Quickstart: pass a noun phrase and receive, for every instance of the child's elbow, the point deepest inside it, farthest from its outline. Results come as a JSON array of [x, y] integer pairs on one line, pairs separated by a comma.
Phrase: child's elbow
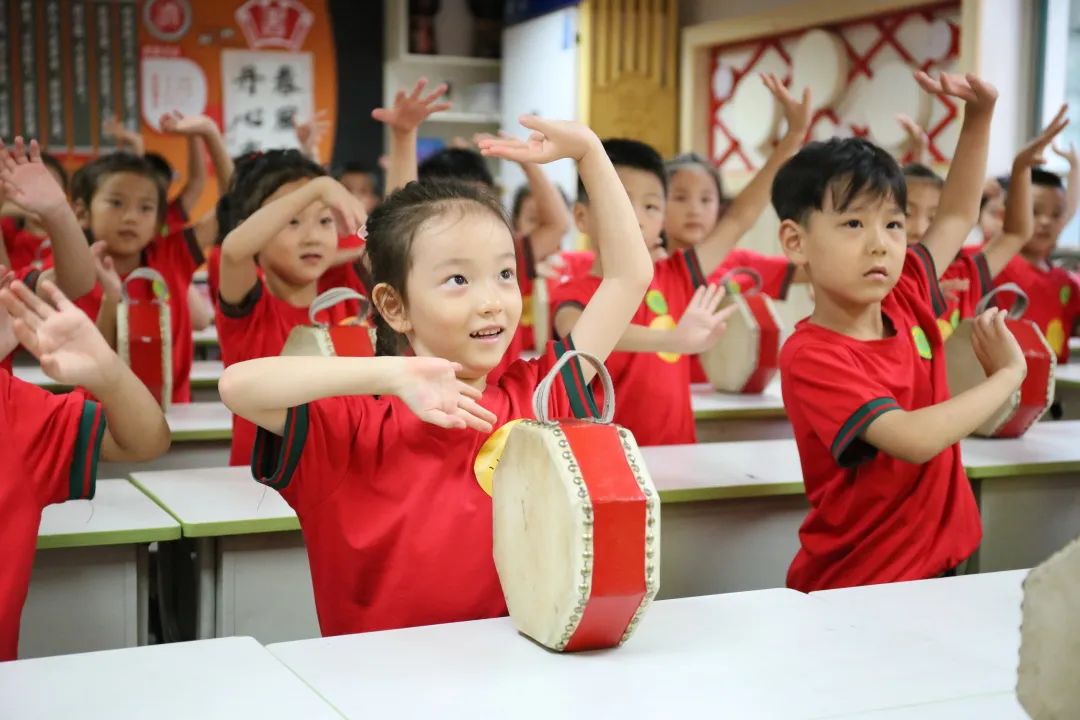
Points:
[[232, 387]]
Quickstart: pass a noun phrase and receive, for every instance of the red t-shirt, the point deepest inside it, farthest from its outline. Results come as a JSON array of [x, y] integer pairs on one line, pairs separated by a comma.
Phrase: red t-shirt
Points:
[[176, 257], [1054, 296], [176, 218], [24, 248], [776, 274], [52, 450], [258, 327], [652, 390], [961, 304], [873, 518], [397, 528]]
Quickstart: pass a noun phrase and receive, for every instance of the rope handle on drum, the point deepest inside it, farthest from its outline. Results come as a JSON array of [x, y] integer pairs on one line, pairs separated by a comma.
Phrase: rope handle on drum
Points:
[[145, 273], [542, 394], [1019, 307], [332, 297], [749, 272]]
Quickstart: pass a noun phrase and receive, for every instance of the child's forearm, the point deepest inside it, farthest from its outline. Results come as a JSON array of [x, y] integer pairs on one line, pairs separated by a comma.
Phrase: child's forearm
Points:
[[920, 435], [1072, 192], [72, 260], [746, 208], [618, 236], [136, 430], [639, 338], [4, 259], [106, 320], [219, 156], [1019, 221], [196, 175], [553, 215], [401, 168]]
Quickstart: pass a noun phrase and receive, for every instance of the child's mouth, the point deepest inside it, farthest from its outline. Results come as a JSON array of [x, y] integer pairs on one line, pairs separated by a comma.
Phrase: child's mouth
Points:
[[490, 334], [311, 258]]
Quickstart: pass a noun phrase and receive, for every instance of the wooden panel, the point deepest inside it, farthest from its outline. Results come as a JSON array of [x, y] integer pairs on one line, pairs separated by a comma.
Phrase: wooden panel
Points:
[[629, 86]]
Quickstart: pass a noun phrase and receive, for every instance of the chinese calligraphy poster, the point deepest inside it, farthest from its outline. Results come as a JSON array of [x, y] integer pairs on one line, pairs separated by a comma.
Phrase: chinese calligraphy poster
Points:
[[264, 92]]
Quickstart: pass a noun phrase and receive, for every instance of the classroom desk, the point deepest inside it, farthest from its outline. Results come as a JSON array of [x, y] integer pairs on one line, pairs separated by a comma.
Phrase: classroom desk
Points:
[[204, 378], [210, 680], [731, 512], [90, 586], [727, 417], [201, 434], [206, 338], [1067, 390], [766, 654], [247, 541]]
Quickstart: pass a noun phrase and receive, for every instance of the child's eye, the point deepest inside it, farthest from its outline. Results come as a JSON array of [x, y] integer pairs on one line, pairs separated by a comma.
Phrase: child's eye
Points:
[[326, 221], [853, 224], [149, 208], [456, 281], [113, 203], [506, 274], [652, 207], [294, 223], [895, 225]]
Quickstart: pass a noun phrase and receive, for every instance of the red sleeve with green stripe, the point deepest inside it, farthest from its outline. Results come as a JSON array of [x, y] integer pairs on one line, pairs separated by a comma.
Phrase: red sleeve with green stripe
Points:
[[832, 392], [57, 438], [920, 279]]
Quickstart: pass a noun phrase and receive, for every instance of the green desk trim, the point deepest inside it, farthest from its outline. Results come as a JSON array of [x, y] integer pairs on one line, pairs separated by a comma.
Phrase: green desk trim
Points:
[[182, 436], [1067, 384], [730, 493], [111, 537], [206, 342], [741, 414], [225, 527], [999, 471], [204, 384]]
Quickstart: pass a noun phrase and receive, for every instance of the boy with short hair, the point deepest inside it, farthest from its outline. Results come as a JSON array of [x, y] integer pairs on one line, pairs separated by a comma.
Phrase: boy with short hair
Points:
[[864, 378], [679, 316]]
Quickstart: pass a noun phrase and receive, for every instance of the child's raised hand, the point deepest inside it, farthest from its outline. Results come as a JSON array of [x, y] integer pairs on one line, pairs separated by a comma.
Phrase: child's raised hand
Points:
[[973, 90], [309, 132], [1034, 153], [550, 140], [59, 335], [952, 287], [176, 123], [27, 181], [702, 324], [349, 212], [408, 111], [114, 129], [918, 140], [431, 389], [1068, 154], [8, 341], [995, 346], [797, 113], [106, 271]]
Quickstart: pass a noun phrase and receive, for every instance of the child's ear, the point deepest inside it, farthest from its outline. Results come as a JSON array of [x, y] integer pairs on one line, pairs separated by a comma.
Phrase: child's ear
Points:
[[581, 217], [392, 308], [793, 242], [82, 214]]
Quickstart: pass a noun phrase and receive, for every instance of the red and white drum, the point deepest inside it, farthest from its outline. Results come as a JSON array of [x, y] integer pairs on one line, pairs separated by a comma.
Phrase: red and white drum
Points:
[[1035, 395], [576, 526], [747, 357], [353, 338], [144, 333]]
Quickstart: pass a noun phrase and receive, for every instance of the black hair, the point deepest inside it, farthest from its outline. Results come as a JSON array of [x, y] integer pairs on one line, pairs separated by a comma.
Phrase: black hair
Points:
[[1002, 182], [846, 168], [257, 176], [686, 161], [87, 181], [1046, 178], [918, 171], [53, 164], [161, 167], [632, 154], [392, 227], [523, 193], [456, 163], [353, 167]]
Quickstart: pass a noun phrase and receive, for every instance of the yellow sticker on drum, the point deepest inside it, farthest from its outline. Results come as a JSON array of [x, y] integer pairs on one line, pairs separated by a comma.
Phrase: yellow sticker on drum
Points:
[[665, 322], [922, 343], [487, 459], [1055, 335]]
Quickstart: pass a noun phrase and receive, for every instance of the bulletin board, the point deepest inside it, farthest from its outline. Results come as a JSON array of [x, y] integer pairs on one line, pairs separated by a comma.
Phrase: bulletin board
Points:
[[860, 73], [65, 67]]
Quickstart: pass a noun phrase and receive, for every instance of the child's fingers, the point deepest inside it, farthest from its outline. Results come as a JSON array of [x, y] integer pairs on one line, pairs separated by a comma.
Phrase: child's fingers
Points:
[[418, 88], [436, 93], [698, 298], [926, 82], [35, 151], [26, 336], [33, 309], [477, 410], [442, 419], [722, 316], [468, 390], [467, 411], [441, 107], [56, 296]]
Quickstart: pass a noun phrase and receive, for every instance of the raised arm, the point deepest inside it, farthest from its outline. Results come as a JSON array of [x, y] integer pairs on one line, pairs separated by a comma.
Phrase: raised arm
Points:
[[1072, 186], [29, 184], [1019, 218], [958, 210], [747, 207], [918, 140], [309, 133], [126, 140], [627, 267], [238, 270], [195, 128], [404, 118]]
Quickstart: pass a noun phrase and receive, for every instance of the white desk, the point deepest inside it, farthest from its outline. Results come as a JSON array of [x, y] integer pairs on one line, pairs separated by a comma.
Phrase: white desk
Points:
[[767, 654], [206, 338], [999, 706], [726, 417], [204, 376], [216, 679], [201, 434], [90, 585], [247, 542], [730, 514]]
